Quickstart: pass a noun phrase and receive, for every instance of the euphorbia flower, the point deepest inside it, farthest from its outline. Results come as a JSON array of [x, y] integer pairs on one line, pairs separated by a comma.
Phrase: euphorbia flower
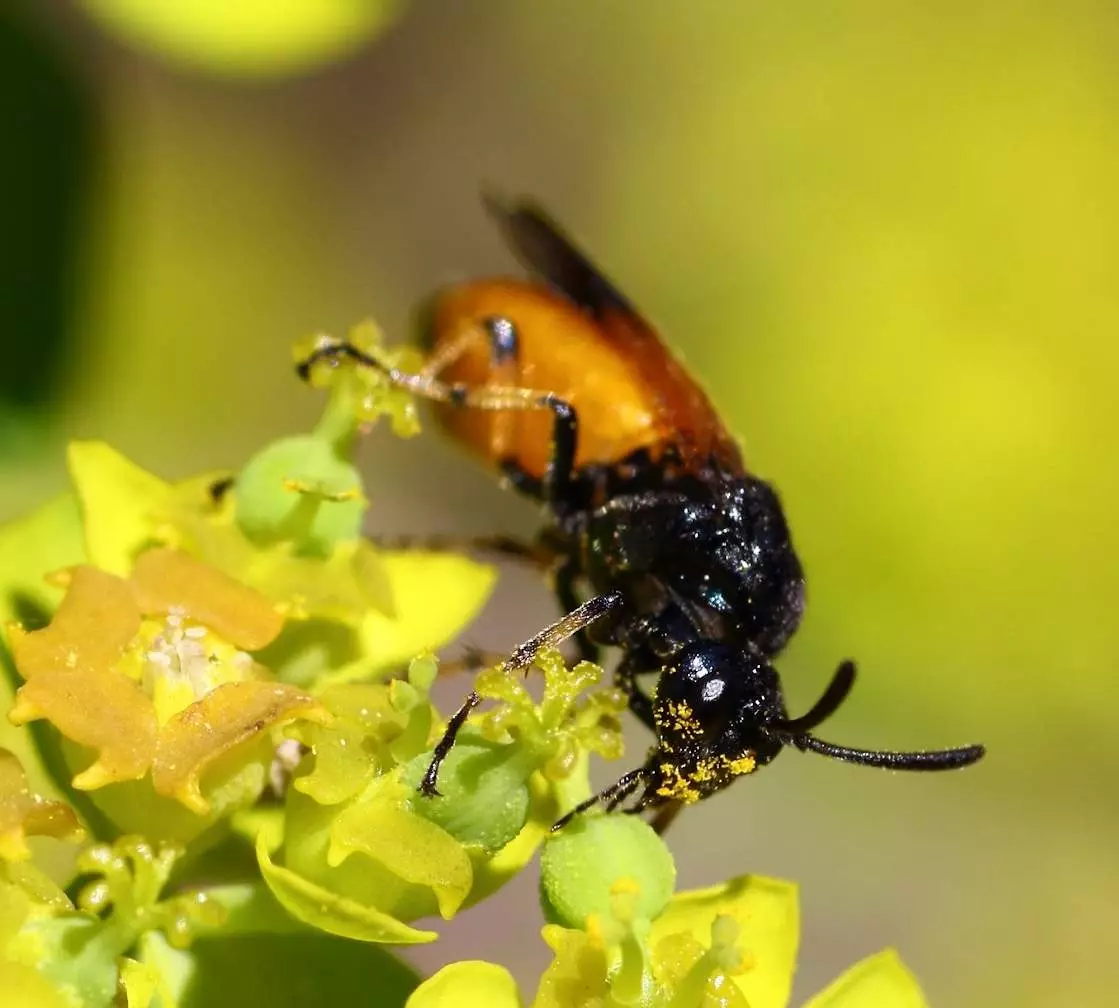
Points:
[[732, 945], [24, 814], [363, 855], [352, 612], [154, 673]]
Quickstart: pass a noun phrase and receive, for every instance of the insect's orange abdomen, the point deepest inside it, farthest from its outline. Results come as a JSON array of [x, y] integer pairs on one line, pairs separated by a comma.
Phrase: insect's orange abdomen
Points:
[[562, 349]]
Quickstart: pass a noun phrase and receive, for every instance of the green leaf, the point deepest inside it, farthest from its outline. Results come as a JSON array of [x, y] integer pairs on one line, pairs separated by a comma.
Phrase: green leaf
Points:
[[277, 970], [78, 955], [471, 984], [879, 981], [332, 913]]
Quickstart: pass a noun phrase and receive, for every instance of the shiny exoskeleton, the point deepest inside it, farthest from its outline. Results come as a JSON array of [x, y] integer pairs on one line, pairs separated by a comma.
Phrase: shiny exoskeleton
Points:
[[661, 543]]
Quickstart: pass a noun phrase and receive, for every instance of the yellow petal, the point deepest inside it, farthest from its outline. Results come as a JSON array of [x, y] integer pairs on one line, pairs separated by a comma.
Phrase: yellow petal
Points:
[[677, 956], [578, 975], [140, 982], [471, 984], [25, 986], [767, 915], [167, 579], [118, 500], [879, 981], [23, 814], [70, 679], [94, 624], [228, 716]]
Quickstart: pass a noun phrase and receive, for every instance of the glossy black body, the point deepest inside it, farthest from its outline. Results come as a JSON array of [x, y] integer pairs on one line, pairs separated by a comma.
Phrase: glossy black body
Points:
[[697, 554], [675, 554], [712, 590]]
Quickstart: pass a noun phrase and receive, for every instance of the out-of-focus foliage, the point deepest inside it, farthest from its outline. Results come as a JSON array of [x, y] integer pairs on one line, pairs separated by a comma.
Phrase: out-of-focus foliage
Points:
[[43, 179], [250, 38]]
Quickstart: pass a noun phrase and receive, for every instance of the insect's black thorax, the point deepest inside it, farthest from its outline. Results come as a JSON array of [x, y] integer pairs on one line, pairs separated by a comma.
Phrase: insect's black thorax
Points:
[[712, 549]]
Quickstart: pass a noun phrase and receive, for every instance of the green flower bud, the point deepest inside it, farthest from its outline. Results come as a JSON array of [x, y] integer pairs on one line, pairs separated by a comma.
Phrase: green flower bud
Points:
[[582, 866], [301, 490], [483, 792]]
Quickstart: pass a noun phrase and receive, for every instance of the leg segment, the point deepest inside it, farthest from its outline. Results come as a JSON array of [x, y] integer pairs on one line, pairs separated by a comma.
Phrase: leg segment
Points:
[[550, 637], [537, 555], [503, 343], [639, 702]]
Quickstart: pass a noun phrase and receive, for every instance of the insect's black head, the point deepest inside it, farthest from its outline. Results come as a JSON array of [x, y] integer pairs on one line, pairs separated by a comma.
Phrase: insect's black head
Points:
[[719, 714], [712, 711]]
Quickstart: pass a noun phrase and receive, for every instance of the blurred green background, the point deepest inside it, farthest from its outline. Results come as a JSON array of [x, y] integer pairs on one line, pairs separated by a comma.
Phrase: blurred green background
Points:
[[883, 234]]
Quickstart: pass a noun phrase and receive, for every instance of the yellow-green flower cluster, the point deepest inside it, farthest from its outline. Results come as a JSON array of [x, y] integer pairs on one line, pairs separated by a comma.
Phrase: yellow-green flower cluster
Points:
[[733, 946], [216, 729]]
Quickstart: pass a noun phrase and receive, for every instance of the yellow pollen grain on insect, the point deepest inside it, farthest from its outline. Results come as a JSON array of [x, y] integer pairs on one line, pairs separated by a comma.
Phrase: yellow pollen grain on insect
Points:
[[744, 764], [679, 718], [675, 785], [705, 770]]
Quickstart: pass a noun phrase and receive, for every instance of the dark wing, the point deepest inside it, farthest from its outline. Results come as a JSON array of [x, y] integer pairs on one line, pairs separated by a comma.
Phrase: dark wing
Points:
[[698, 432], [542, 247]]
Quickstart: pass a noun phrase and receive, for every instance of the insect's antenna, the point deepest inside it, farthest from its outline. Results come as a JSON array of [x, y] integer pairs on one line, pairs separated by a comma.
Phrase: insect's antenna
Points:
[[936, 759], [825, 707]]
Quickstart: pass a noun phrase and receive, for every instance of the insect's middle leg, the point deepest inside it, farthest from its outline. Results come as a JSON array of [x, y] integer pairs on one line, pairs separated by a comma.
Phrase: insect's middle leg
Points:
[[625, 678]]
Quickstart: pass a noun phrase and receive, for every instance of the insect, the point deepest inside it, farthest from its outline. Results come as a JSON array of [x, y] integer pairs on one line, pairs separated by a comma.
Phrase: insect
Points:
[[660, 541]]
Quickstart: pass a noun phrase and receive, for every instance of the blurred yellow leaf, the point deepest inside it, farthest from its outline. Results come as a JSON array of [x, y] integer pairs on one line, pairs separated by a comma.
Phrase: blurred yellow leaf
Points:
[[250, 37]]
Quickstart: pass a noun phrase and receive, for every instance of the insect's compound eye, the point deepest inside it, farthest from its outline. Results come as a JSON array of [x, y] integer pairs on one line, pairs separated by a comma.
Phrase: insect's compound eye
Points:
[[696, 693], [713, 691]]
